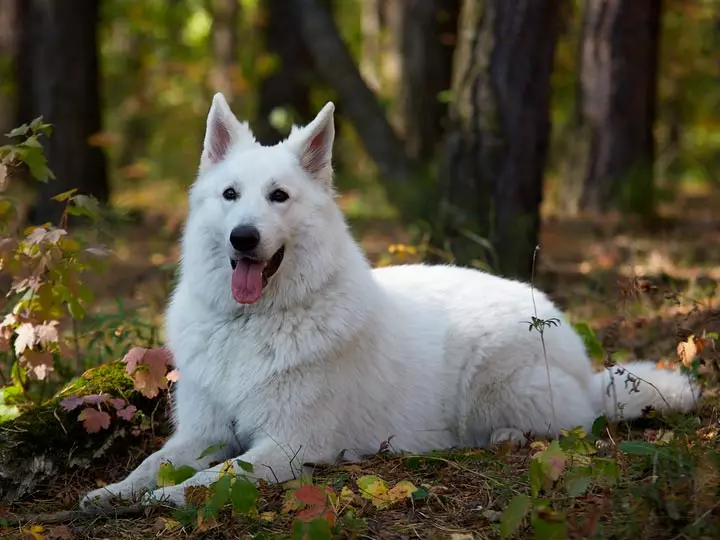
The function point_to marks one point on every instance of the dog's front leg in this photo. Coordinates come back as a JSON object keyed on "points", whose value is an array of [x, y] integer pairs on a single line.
{"points": [[270, 461], [178, 450]]}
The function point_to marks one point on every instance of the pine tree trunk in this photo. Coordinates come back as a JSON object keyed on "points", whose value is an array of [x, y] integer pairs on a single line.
{"points": [[289, 85], [429, 33], [619, 77], [66, 92], [497, 146]]}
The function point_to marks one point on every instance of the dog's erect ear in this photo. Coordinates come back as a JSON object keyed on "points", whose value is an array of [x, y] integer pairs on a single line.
{"points": [[313, 144], [223, 132]]}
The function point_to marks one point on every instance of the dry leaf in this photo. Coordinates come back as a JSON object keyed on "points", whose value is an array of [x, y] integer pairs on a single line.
{"points": [[94, 420], [39, 363]]}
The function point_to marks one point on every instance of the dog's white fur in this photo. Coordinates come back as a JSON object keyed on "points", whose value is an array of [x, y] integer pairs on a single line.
{"points": [[335, 356]]}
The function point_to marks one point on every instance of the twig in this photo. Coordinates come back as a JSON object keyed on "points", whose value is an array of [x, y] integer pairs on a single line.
{"points": [[542, 337], [65, 516]]}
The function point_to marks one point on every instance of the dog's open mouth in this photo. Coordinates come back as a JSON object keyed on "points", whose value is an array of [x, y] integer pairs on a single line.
{"points": [[251, 275]]}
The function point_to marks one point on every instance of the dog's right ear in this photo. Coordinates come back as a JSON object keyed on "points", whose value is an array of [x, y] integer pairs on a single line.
{"points": [[223, 132]]}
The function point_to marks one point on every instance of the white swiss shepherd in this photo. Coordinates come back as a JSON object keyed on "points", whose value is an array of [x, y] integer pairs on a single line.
{"points": [[292, 349]]}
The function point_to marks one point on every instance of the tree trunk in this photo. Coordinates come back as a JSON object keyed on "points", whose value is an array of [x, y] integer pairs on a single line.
{"points": [[496, 150], [619, 76], [335, 64], [9, 36], [290, 84], [429, 33], [225, 46], [66, 92]]}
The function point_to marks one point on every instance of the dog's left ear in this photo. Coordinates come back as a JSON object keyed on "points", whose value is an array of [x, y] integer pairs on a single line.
{"points": [[313, 144]]}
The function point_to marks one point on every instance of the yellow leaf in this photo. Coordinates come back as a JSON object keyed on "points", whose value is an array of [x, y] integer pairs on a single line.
{"points": [[401, 490], [267, 516], [34, 532]]}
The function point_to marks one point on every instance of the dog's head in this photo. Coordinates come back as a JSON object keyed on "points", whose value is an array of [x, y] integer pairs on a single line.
{"points": [[256, 211]]}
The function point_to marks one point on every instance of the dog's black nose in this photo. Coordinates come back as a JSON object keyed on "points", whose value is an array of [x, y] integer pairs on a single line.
{"points": [[245, 238]]}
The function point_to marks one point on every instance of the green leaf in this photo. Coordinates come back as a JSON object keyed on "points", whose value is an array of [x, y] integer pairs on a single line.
{"points": [[76, 309], [413, 462], [577, 481], [168, 475], [420, 494], [319, 529], [18, 131], [38, 125], [244, 496], [65, 195], [220, 491], [514, 515], [549, 529], [599, 425], [210, 450], [606, 469], [36, 162], [639, 448], [245, 466], [537, 478], [592, 343]]}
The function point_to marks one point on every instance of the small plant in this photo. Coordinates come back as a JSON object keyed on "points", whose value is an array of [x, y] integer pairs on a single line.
{"points": [[47, 295]]}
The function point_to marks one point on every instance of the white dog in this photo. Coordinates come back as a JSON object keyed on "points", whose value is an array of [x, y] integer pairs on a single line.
{"points": [[292, 349]]}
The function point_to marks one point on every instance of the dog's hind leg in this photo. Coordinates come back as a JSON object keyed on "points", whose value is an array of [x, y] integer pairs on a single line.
{"points": [[526, 402]]}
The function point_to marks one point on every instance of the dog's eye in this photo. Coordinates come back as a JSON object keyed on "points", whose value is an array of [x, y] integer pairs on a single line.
{"points": [[279, 196], [230, 194]]}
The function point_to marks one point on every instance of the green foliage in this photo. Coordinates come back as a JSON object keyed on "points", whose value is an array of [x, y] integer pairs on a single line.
{"points": [[46, 264]]}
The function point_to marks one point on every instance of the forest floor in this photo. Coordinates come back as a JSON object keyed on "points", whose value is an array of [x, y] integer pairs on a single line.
{"points": [[643, 292]]}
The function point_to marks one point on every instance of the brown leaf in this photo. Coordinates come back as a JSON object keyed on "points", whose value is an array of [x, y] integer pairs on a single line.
{"points": [[94, 420], [38, 363], [687, 350]]}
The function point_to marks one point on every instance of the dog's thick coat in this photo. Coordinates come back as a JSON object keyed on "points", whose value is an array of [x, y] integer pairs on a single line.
{"points": [[336, 357]]}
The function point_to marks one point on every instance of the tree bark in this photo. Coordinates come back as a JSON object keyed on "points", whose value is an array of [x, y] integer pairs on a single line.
{"points": [[335, 64], [496, 149], [429, 33], [225, 46], [619, 77], [9, 36], [290, 84], [66, 92]]}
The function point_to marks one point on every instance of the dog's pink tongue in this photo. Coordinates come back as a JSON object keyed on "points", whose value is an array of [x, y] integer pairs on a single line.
{"points": [[247, 281]]}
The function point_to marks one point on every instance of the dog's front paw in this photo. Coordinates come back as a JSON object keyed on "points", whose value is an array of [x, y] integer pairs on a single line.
{"points": [[106, 496], [169, 496]]}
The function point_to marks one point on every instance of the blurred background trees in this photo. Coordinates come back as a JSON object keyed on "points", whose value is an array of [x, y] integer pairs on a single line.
{"points": [[469, 122]]}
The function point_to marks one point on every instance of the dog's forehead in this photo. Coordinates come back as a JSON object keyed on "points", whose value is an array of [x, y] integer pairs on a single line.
{"points": [[259, 165]]}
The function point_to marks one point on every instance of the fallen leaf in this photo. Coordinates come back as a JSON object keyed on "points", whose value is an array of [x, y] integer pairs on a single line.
{"points": [[34, 532], [94, 420]]}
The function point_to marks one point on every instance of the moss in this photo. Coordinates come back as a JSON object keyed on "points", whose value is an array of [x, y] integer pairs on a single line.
{"points": [[105, 379], [48, 440]]}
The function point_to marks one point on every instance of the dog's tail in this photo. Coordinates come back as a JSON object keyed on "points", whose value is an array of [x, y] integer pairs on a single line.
{"points": [[627, 391]]}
